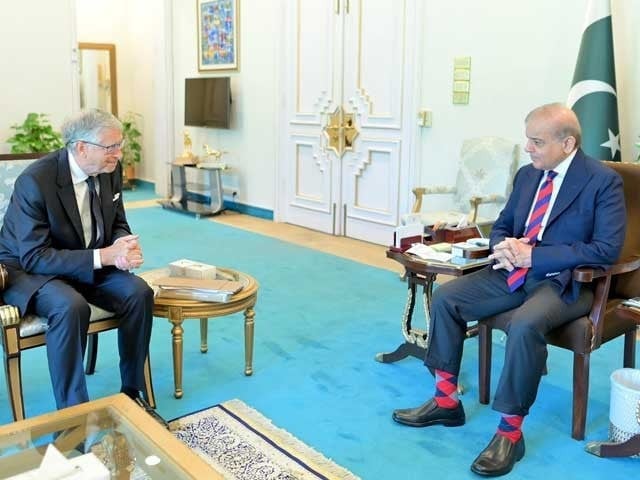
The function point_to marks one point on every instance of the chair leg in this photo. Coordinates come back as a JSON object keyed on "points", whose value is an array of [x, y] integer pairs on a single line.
{"points": [[92, 354], [14, 385], [484, 362], [630, 349], [580, 394], [148, 384]]}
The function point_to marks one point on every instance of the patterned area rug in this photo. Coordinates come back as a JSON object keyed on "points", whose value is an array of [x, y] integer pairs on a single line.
{"points": [[242, 444]]}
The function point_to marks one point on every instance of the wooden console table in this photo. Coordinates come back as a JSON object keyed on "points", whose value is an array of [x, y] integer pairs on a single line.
{"points": [[421, 272]]}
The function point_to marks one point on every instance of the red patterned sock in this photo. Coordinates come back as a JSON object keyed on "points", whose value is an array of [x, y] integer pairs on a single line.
{"points": [[511, 427], [446, 389]]}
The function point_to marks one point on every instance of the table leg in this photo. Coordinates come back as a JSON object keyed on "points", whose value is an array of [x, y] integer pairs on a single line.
{"points": [[204, 328], [249, 315], [175, 317], [415, 339]]}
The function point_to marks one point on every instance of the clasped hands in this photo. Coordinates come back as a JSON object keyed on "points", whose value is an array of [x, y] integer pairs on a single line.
{"points": [[512, 253], [125, 253]]}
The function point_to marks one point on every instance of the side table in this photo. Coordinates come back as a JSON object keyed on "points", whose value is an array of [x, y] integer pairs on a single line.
{"points": [[177, 310], [421, 272]]}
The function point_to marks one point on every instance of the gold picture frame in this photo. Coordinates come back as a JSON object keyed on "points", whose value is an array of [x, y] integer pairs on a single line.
{"points": [[218, 34]]}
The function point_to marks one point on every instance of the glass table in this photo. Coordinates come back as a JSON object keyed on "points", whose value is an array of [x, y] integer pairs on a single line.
{"points": [[127, 440]]}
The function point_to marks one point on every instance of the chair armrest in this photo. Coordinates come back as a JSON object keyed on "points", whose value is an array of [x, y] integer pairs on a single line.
{"points": [[588, 273], [475, 202], [9, 315], [418, 192]]}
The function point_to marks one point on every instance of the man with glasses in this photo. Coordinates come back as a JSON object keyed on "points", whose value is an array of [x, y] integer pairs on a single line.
{"points": [[66, 243]]}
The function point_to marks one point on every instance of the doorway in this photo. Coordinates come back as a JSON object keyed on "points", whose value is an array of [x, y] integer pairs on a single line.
{"points": [[348, 128]]}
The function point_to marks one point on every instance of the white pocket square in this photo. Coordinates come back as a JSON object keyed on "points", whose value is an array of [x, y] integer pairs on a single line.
{"points": [[116, 197]]}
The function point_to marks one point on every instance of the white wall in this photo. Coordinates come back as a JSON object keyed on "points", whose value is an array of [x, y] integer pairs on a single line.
{"points": [[251, 141], [130, 25], [523, 54], [626, 38], [36, 40]]}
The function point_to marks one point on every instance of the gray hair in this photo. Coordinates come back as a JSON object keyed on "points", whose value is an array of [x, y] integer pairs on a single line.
{"points": [[87, 125], [564, 120]]}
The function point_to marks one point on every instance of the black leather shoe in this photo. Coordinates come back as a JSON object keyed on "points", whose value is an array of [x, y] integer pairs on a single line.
{"points": [[499, 457], [430, 414], [147, 408]]}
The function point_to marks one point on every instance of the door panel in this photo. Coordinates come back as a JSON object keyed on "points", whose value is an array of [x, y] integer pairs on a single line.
{"points": [[354, 59]]}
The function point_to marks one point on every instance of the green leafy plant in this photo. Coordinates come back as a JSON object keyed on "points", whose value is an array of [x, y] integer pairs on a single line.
{"points": [[35, 135], [132, 150]]}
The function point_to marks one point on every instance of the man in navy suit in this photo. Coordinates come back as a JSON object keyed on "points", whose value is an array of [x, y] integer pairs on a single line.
{"points": [[566, 210], [66, 243]]}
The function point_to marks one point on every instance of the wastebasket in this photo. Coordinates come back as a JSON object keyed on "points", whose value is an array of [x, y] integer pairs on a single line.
{"points": [[624, 413]]}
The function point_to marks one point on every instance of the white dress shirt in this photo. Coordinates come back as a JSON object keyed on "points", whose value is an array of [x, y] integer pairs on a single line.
{"points": [[79, 180]]}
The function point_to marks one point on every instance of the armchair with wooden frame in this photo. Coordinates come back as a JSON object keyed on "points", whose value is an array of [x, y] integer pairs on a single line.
{"points": [[485, 174], [611, 285], [19, 333]]}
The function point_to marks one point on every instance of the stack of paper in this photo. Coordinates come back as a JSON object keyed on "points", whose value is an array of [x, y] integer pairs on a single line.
{"points": [[205, 290], [632, 302]]}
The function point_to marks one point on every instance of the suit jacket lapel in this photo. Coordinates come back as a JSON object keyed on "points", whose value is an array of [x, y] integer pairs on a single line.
{"points": [[577, 177], [106, 203], [67, 194]]}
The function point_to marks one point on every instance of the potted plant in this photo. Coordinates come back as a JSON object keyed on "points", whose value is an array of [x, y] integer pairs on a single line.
{"points": [[132, 150], [35, 135]]}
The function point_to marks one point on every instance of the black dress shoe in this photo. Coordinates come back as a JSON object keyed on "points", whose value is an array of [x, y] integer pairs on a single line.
{"points": [[147, 408], [430, 414], [499, 457]]}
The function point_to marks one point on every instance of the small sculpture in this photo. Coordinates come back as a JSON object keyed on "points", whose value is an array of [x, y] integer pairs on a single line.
{"points": [[187, 154], [216, 154]]}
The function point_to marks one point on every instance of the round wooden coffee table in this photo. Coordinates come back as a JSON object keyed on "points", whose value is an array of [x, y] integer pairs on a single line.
{"points": [[177, 310]]}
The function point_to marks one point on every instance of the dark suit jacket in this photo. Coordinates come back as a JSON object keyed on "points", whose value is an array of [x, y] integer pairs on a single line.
{"points": [[41, 237], [586, 225]]}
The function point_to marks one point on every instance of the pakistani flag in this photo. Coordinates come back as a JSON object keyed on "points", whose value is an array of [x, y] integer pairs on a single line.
{"points": [[593, 92]]}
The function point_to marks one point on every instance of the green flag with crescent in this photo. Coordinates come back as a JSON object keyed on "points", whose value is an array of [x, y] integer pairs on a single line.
{"points": [[593, 91]]}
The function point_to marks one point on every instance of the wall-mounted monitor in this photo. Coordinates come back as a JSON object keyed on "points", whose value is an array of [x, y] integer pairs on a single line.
{"points": [[207, 102]]}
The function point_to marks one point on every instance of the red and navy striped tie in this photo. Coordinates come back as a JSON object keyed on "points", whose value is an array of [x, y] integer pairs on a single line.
{"points": [[517, 276]]}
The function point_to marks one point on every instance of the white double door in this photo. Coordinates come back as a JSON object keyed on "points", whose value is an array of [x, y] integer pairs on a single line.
{"points": [[358, 55]]}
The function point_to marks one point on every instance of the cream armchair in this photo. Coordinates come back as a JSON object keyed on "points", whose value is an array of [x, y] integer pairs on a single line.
{"points": [[487, 167]]}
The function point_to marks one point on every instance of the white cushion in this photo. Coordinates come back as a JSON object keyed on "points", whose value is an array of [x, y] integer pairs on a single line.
{"points": [[33, 324]]}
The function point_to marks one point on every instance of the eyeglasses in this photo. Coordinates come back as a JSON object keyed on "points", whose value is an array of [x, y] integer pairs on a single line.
{"points": [[108, 148]]}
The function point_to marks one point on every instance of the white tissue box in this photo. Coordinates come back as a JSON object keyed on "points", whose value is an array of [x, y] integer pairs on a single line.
{"points": [[191, 269], [56, 466]]}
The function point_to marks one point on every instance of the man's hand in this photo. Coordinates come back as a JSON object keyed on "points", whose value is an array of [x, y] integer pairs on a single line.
{"points": [[512, 253], [125, 253]]}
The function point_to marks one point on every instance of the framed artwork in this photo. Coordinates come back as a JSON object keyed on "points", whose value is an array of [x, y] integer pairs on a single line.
{"points": [[218, 35]]}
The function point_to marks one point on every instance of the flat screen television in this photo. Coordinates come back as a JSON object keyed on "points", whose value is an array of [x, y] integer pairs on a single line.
{"points": [[207, 102]]}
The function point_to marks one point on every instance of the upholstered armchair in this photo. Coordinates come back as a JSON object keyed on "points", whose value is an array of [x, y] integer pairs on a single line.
{"points": [[486, 169], [19, 333]]}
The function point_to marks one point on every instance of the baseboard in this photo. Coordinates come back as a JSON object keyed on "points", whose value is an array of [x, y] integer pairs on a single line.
{"points": [[234, 206], [249, 210]]}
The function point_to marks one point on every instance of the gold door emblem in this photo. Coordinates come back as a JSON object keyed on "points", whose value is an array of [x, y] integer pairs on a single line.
{"points": [[340, 131]]}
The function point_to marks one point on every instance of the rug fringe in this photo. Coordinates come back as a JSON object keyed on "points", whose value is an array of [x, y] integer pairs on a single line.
{"points": [[266, 427]]}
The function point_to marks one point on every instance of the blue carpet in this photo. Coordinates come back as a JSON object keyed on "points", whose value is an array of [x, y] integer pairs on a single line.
{"points": [[320, 320]]}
